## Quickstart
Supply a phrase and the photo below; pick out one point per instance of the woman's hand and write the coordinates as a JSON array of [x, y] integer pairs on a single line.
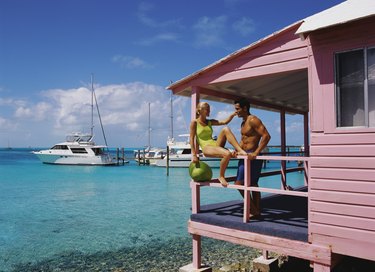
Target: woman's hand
[[195, 158]]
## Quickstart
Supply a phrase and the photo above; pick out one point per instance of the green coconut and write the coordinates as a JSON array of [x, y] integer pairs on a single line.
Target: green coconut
[[200, 171]]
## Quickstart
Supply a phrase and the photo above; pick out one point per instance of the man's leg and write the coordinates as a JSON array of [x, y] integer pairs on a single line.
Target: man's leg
[[256, 168], [254, 210], [240, 175]]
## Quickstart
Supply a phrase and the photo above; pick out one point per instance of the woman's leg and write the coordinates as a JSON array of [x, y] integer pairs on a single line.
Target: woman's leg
[[219, 152], [223, 166], [227, 135]]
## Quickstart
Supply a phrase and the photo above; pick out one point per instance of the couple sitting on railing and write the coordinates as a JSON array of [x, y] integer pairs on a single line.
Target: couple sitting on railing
[[254, 138]]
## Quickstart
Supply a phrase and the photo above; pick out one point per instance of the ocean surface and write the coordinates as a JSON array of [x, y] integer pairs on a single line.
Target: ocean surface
[[53, 216]]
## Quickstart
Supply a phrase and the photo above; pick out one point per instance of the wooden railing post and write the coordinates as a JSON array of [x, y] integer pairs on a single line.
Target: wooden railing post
[[283, 151], [247, 193], [195, 197], [197, 258]]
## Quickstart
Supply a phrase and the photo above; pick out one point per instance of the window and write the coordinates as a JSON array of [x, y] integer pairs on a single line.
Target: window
[[355, 88], [60, 147], [79, 150]]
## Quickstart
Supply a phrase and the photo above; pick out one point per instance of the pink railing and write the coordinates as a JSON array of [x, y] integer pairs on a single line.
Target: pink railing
[[247, 189]]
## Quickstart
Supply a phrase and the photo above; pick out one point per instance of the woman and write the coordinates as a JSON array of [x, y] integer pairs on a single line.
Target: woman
[[201, 131]]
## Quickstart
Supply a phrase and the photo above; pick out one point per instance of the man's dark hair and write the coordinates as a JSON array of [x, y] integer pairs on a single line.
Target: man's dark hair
[[243, 103]]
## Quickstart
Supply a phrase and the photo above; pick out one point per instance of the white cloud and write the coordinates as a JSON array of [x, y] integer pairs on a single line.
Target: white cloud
[[164, 37], [23, 112], [13, 102], [291, 127], [244, 26], [6, 125], [5, 101], [36, 112], [123, 108], [295, 127], [223, 114], [147, 8], [210, 31], [131, 62]]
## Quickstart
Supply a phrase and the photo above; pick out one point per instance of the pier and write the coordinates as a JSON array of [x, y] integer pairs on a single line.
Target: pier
[[120, 156]]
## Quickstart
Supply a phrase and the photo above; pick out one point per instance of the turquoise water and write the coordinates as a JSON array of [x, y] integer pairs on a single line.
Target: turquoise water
[[47, 210]]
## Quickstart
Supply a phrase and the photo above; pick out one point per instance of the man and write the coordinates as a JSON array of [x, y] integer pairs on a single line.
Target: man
[[254, 138]]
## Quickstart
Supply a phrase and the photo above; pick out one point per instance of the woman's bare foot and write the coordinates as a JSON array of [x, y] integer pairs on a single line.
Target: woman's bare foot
[[223, 181]]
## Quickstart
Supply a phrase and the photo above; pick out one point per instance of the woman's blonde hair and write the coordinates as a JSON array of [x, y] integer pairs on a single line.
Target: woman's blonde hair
[[200, 106]]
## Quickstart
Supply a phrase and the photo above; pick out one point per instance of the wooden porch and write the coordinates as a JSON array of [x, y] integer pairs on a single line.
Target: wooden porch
[[282, 226]]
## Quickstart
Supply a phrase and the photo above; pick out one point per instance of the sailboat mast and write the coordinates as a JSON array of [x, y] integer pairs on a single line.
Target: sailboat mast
[[92, 105], [171, 116], [149, 126]]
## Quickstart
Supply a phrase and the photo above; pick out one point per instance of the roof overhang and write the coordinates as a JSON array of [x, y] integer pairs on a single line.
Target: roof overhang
[[284, 87], [345, 12]]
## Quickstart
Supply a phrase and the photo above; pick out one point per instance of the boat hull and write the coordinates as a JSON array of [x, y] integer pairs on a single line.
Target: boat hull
[[70, 159]]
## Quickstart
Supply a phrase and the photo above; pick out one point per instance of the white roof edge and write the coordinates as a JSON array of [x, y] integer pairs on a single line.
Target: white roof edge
[[347, 11]]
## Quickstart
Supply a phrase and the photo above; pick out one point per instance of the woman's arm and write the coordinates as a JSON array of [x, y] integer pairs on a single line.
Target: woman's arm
[[223, 122], [193, 134]]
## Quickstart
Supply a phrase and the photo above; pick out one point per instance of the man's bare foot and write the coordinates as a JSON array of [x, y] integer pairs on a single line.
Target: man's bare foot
[[254, 212], [223, 181], [255, 215]]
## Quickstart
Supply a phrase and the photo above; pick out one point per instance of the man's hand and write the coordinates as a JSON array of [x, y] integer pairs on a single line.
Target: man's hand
[[252, 156]]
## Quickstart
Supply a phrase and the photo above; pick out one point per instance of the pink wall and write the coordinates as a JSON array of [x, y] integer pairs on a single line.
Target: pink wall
[[342, 165]]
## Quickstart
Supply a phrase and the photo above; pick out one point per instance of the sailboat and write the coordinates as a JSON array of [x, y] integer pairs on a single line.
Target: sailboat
[[78, 148], [150, 155]]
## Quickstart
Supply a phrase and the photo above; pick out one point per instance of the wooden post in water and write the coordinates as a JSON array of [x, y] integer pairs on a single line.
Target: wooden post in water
[[144, 157], [167, 161], [117, 156], [123, 155]]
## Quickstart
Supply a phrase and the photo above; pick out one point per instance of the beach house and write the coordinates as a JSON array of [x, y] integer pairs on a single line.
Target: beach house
[[322, 67]]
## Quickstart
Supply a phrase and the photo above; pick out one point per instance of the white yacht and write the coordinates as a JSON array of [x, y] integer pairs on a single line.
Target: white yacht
[[149, 155], [78, 149], [180, 155]]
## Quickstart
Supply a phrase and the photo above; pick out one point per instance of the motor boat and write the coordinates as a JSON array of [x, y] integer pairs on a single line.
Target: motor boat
[[149, 155], [78, 149]]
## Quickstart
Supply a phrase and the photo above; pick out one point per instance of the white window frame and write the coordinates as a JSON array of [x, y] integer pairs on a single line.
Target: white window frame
[[365, 88]]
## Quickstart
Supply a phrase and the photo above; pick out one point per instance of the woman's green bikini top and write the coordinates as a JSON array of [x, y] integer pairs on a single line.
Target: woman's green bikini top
[[204, 135]]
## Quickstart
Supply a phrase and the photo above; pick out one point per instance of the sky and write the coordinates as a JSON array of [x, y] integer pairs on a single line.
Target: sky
[[49, 49]]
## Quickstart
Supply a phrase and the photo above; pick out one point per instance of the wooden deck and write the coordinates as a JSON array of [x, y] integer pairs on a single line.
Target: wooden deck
[[282, 227], [282, 216]]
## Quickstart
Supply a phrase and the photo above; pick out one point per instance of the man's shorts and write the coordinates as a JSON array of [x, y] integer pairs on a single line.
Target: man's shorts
[[256, 168]]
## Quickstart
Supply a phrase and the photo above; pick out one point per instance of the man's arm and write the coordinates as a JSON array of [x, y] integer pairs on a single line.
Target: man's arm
[[258, 126]]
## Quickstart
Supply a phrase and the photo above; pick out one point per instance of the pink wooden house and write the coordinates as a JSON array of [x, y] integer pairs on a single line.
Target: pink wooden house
[[323, 68]]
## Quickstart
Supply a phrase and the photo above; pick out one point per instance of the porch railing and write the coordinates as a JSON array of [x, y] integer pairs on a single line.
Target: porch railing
[[247, 189]]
